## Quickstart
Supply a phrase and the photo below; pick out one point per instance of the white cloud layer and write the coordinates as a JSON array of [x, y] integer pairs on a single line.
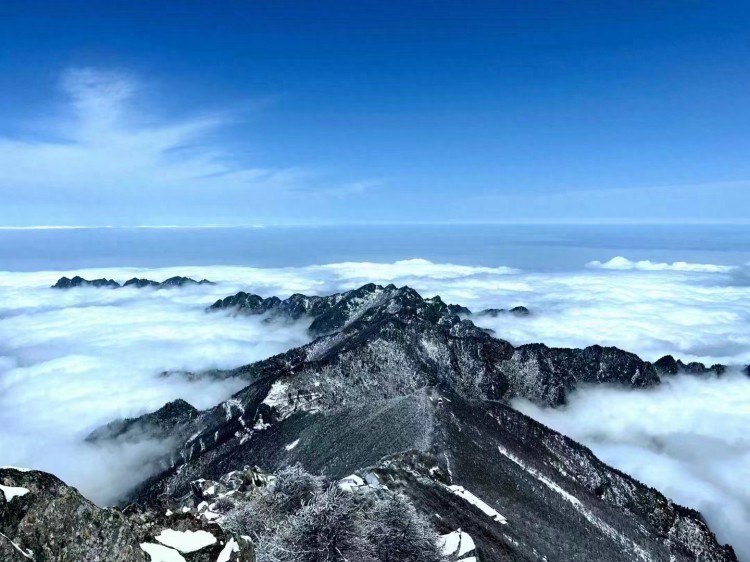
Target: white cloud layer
[[621, 263], [73, 360], [70, 360]]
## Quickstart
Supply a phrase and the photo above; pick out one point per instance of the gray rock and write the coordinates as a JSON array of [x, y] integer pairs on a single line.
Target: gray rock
[[52, 522]]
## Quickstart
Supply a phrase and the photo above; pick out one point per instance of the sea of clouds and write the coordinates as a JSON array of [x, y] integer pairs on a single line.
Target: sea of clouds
[[73, 360]]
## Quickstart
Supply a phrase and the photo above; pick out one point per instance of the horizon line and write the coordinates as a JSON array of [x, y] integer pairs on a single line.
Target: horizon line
[[529, 222]]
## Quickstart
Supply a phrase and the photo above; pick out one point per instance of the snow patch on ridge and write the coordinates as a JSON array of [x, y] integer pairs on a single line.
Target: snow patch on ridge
[[159, 553], [186, 541], [11, 492], [456, 543]]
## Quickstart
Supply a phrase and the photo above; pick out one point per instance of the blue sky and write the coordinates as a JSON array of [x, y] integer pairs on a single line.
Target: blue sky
[[129, 113]]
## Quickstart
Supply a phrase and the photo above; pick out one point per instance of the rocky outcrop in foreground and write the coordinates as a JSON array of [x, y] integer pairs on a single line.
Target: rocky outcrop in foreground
[[44, 520], [77, 281]]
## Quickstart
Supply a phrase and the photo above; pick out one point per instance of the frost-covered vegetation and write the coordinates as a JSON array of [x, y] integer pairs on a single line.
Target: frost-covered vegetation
[[304, 518]]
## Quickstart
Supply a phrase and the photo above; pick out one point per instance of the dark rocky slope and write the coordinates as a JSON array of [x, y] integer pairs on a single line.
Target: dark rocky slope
[[402, 384]]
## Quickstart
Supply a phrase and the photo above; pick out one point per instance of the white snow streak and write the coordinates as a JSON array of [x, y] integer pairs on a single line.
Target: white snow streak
[[462, 492]]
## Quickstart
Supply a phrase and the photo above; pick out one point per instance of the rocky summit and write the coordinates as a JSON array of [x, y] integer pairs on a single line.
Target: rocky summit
[[397, 394]]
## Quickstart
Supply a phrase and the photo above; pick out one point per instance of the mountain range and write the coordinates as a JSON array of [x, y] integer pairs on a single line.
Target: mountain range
[[396, 392]]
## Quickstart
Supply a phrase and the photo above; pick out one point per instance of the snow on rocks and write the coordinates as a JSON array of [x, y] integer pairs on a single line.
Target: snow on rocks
[[462, 492], [351, 483], [226, 554], [544, 480], [277, 396], [210, 499], [260, 425], [11, 492], [159, 553], [457, 544], [284, 399], [229, 407], [186, 541], [355, 483]]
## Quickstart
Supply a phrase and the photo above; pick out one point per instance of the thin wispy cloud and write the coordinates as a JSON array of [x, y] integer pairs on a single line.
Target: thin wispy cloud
[[133, 168]]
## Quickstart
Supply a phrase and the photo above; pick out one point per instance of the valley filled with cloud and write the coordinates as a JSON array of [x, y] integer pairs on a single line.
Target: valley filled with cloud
[[72, 360]]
